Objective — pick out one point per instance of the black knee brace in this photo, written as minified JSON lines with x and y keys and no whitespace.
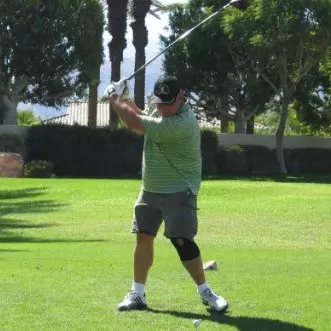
{"x":186,"y":249}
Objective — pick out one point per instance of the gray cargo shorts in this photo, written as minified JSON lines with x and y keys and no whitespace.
{"x":177,"y":210}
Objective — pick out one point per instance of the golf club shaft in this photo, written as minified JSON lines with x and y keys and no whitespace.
{"x":185,"y":34}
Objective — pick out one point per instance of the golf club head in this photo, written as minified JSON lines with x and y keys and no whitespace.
{"x":240,"y":4}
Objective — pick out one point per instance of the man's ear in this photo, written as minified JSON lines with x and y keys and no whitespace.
{"x":181,"y":97}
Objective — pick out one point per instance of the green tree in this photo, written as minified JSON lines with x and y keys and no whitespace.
{"x":215,"y":68}
{"x":290,"y":36}
{"x":27,"y":117}
{"x":313,"y":98}
{"x":45,"y":53}
{"x":267,"y":123}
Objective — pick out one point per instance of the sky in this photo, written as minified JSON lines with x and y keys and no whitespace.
{"x":155,"y":28}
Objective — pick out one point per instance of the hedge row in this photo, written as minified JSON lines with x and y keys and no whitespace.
{"x":83,"y":152}
{"x":259,"y":160}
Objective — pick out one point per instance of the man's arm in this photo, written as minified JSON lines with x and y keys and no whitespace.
{"x":127,"y":112}
{"x":133,"y":106}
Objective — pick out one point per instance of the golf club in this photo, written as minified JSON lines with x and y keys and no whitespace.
{"x":240,"y":4}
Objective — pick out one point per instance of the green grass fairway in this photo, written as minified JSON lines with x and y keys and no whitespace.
{"x":66,"y":254}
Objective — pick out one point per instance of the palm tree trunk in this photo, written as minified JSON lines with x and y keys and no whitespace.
{"x":117,"y":24}
{"x":139,"y":83}
{"x":139,"y":11}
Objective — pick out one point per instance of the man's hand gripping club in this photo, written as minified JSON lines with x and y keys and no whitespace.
{"x":124,"y":105}
{"x":120,"y":88}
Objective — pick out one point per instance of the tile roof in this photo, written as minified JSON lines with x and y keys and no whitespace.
{"x":77,"y":114}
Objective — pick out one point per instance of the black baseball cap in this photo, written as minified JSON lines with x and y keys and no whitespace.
{"x":166,"y":89}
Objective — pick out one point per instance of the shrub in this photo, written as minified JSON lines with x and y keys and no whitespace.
{"x":38,"y":169}
{"x":232,"y":160}
{"x":128,"y":146}
{"x":308,"y":160}
{"x":209,"y":146}
{"x":78,"y":151}
{"x":12,"y":143}
{"x":261,"y":160}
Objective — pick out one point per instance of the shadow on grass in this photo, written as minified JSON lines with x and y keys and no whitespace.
{"x":13,"y":202}
{"x":242,"y":323}
{"x":23,"y":193}
{"x":9,"y":226}
{"x":313,"y":179}
{"x":19,"y":224}
{"x":12,"y":250}
{"x":17,"y":239}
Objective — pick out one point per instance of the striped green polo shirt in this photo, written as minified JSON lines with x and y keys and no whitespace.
{"x":171,"y":155}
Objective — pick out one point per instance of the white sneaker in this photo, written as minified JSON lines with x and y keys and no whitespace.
{"x":215,"y":302}
{"x":133,"y":301}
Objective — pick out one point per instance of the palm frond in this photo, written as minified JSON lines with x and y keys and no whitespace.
{"x":157,"y":6}
{"x":156,"y":3}
{"x":151,"y":12}
{"x":168,"y":8}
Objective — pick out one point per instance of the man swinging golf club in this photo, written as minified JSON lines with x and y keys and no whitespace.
{"x":171,"y":174}
{"x":171,"y":177}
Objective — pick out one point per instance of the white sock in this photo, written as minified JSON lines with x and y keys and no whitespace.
{"x":201,"y":288}
{"x":138,"y":287}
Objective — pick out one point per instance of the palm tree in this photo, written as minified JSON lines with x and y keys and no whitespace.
{"x":117,"y":25}
{"x":139,"y":10}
